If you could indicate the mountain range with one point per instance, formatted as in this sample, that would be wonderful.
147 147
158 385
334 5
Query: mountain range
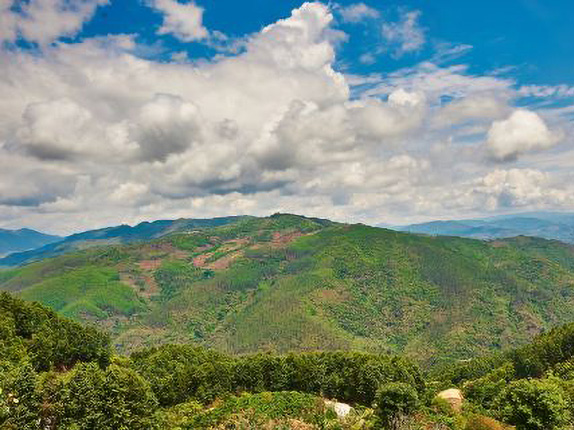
109 236
23 239
548 225
287 282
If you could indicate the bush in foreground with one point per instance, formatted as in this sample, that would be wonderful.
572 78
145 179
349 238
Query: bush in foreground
532 404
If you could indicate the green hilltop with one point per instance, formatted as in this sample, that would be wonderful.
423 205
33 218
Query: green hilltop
289 283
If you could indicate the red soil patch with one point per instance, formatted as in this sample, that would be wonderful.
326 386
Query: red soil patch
201 260
224 262
279 239
150 264
150 287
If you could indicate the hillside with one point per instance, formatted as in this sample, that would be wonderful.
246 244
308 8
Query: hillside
23 239
291 283
547 225
109 236
58 374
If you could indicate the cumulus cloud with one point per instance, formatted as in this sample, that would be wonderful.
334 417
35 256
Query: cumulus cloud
357 12
183 20
166 125
523 131
43 21
91 130
404 36
516 188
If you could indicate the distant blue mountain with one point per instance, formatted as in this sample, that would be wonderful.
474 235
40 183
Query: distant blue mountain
112 235
548 225
23 239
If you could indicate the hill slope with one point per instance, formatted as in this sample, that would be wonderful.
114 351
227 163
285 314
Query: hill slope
292 283
112 235
23 239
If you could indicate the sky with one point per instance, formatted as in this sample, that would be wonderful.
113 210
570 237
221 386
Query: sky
120 111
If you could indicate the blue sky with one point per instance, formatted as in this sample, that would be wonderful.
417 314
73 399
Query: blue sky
534 37
396 111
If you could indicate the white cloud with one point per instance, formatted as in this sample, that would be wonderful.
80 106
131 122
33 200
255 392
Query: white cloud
543 91
516 188
183 20
44 21
62 129
357 12
479 106
166 125
453 82
404 36
523 131
93 131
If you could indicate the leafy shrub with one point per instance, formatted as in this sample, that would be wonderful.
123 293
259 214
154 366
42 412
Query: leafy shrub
544 352
395 399
48 340
20 399
483 391
89 398
258 409
179 416
480 422
532 404
179 373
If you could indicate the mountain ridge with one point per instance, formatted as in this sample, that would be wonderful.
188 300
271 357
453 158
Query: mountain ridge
23 239
287 282
123 233
546 225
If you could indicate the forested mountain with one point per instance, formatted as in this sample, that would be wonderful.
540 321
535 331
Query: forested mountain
23 239
548 225
111 235
287 283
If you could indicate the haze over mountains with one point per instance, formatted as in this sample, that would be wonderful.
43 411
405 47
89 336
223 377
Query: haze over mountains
23 239
548 225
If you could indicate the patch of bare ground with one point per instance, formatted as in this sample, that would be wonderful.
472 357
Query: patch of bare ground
144 286
201 260
285 238
138 338
150 264
164 250
332 295
225 261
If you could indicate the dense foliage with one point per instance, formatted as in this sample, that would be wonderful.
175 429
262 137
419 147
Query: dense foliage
181 373
77 384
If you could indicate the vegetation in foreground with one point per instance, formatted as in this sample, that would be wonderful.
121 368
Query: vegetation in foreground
58 374
289 283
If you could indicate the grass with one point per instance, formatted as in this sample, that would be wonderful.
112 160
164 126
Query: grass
86 292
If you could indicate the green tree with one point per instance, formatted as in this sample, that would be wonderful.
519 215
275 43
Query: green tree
89 398
394 400
20 399
532 404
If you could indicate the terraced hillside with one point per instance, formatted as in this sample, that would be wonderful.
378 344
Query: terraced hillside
116 235
292 283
